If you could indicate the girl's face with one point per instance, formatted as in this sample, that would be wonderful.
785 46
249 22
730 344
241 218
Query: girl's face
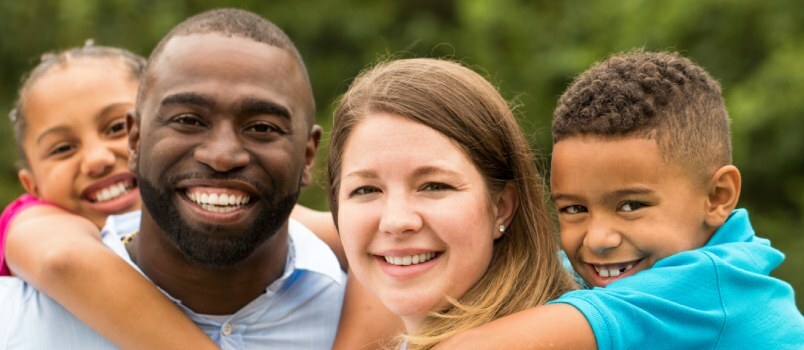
415 216
75 139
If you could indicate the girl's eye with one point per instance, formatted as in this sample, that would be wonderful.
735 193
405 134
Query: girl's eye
61 149
436 186
573 209
631 206
363 190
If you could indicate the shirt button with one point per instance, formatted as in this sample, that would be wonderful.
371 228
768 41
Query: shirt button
227 329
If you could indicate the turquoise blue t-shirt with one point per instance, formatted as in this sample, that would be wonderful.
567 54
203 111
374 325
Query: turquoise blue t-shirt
719 296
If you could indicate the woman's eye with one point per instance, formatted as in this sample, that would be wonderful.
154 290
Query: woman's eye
363 190
436 186
573 209
631 206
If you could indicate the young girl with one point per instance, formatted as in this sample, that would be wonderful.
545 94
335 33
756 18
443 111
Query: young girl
440 208
69 124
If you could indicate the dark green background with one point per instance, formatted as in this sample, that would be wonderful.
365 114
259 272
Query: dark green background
529 49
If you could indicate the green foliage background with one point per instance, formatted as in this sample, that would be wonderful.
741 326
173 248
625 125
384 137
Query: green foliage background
530 49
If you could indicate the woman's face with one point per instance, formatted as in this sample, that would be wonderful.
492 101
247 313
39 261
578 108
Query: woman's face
415 216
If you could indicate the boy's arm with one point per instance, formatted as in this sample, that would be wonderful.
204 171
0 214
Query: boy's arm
60 254
365 322
554 326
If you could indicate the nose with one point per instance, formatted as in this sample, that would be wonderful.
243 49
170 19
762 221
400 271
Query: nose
601 235
399 216
99 159
223 151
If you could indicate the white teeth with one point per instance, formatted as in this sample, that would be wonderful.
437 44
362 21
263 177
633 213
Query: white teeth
410 259
612 270
112 192
223 203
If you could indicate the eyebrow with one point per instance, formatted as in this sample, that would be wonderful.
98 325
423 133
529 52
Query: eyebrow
64 128
252 106
608 196
188 98
419 172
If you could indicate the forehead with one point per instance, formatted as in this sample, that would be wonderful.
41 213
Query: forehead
605 162
227 69
396 145
80 89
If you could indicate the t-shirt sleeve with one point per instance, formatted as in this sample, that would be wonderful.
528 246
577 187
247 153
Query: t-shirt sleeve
11 210
675 304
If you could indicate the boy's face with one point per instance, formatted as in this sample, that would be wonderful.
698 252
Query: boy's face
621 207
75 140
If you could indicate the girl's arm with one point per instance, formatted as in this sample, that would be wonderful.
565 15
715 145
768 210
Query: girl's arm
60 254
365 322
554 326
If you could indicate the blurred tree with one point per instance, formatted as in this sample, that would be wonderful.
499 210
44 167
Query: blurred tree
530 49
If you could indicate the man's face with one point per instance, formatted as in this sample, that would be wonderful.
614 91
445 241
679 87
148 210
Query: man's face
222 144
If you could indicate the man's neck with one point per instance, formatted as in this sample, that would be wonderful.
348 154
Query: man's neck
206 290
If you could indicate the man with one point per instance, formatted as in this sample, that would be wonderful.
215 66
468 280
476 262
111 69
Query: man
222 139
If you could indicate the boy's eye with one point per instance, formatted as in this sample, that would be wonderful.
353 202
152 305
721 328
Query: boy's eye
436 186
116 129
631 206
574 209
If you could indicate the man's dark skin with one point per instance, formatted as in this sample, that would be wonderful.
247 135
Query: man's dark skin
222 115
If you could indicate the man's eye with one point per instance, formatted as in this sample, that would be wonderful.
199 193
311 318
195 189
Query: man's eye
631 206
573 209
188 120
262 127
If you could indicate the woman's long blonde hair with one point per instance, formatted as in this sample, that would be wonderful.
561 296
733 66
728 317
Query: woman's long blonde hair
462 105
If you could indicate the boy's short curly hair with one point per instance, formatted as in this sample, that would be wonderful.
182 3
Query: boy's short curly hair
657 95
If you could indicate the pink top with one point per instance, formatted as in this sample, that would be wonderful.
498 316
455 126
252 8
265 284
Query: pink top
14 208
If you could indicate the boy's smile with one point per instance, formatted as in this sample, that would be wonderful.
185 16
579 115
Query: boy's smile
622 207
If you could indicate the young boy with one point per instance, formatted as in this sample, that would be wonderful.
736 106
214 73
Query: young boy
646 194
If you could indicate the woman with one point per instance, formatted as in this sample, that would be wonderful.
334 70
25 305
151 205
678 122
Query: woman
435 193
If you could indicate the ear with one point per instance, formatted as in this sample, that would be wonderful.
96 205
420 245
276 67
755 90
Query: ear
313 140
133 128
723 194
28 182
506 204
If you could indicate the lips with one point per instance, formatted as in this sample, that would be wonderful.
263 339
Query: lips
110 189
603 274
410 259
218 200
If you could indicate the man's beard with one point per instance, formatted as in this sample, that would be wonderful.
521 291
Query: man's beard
214 252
